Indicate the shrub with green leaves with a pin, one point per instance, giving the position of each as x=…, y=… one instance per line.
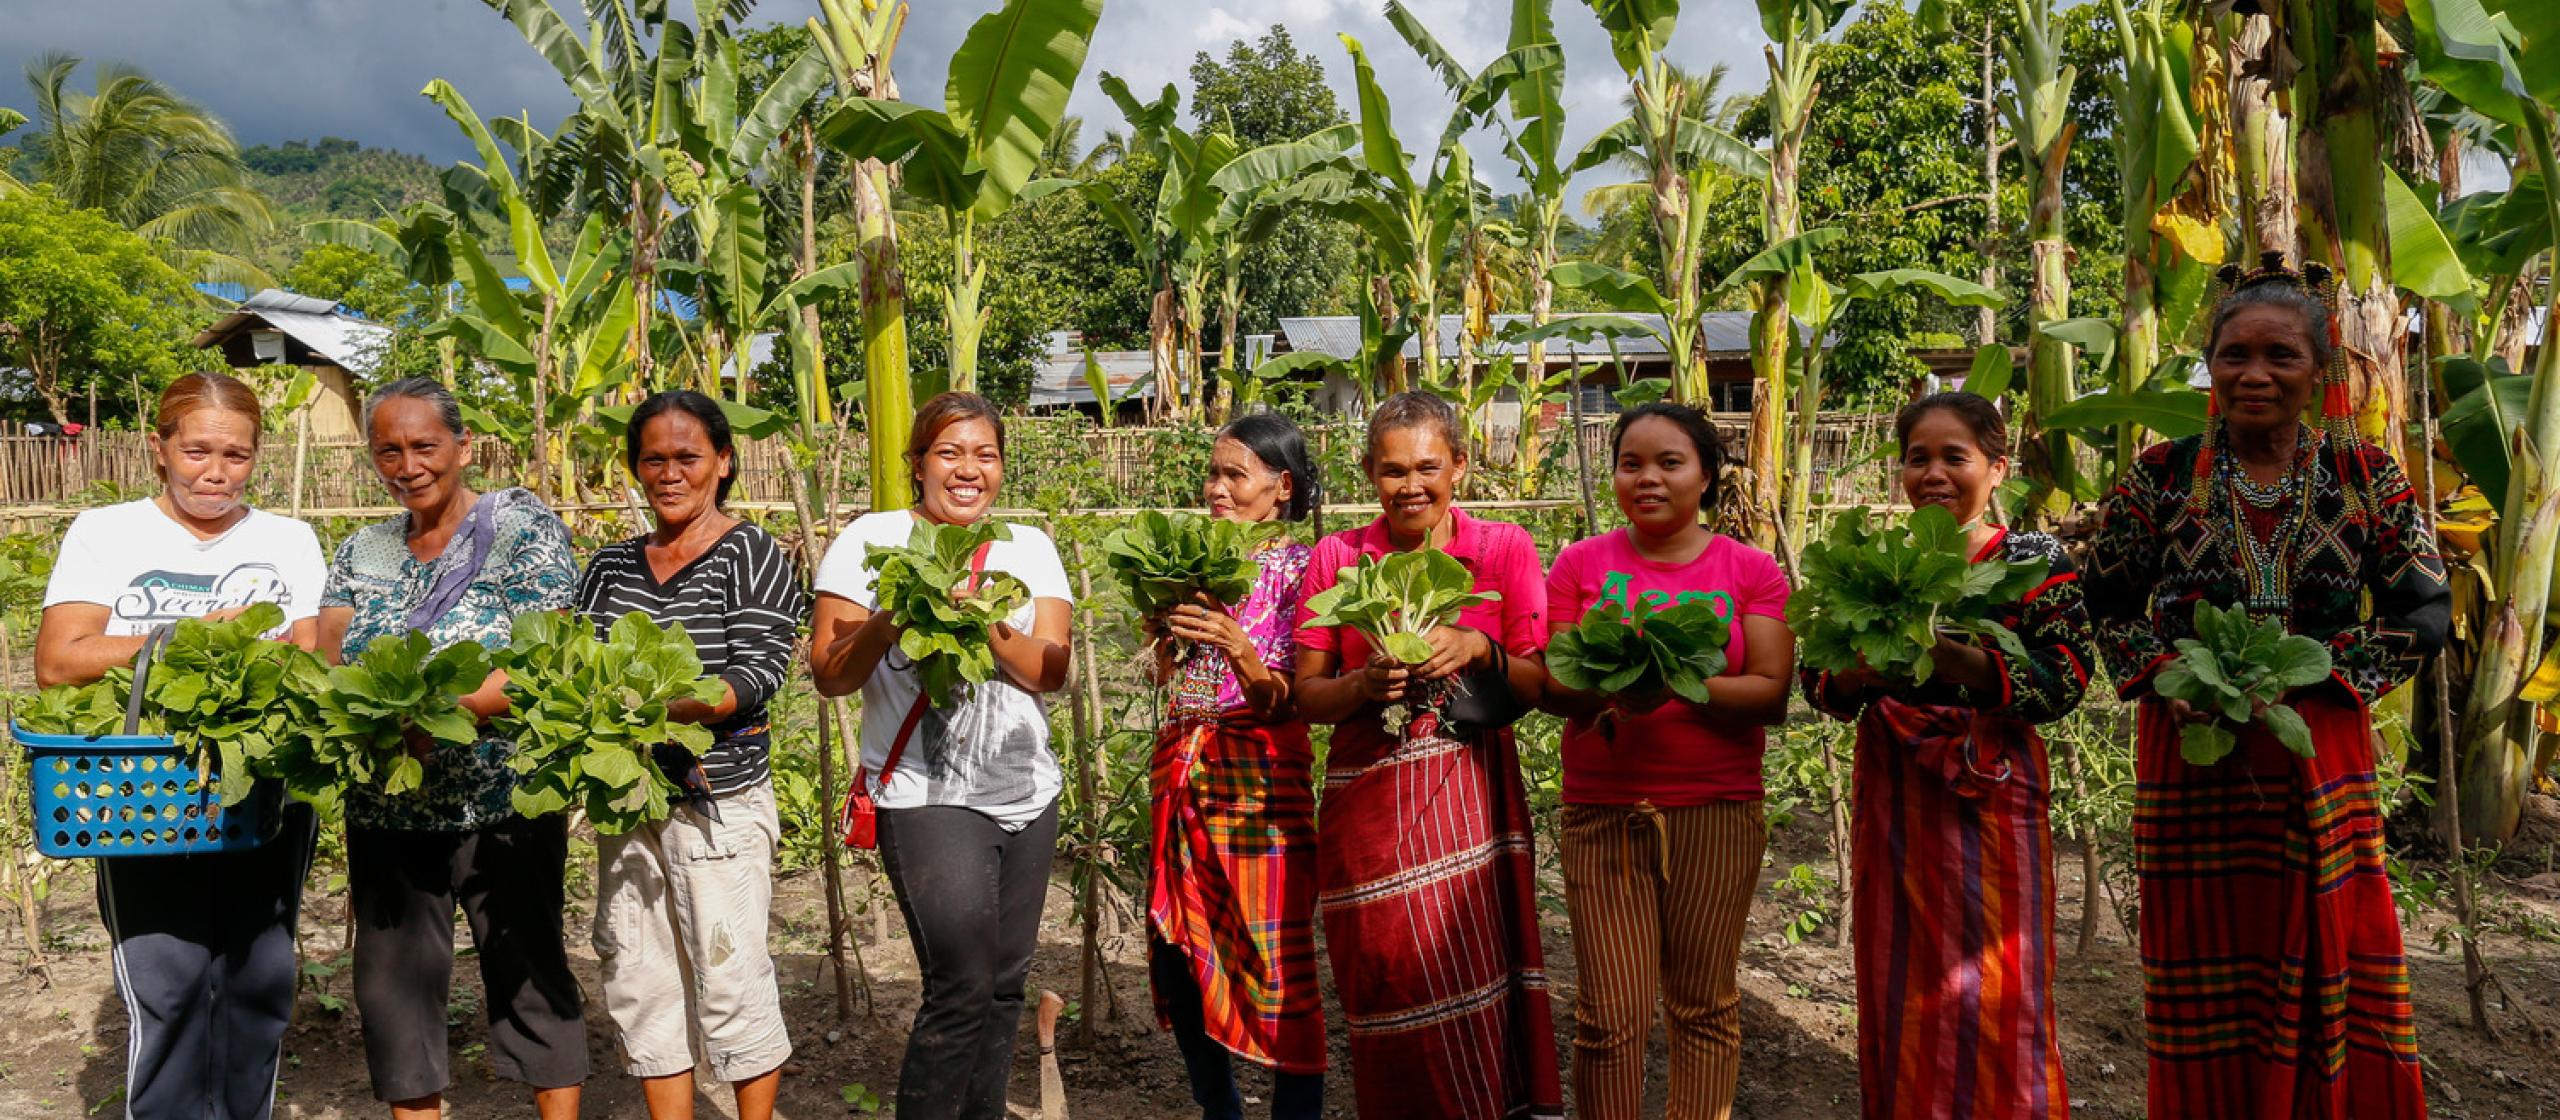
x=1163, y=559
x=1395, y=602
x=1882, y=596
x=363, y=712
x=587, y=714
x=949, y=637
x=2238, y=671
x=1647, y=652
x=231, y=697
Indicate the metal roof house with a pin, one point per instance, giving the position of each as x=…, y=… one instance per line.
x=276, y=327
x=1058, y=382
x=1727, y=335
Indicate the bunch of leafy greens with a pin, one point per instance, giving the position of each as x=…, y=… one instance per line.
x=88, y=710
x=949, y=637
x=2238, y=671
x=1644, y=653
x=363, y=711
x=1396, y=602
x=587, y=714
x=1163, y=559
x=1882, y=597
x=231, y=697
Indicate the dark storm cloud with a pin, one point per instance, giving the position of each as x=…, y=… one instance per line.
x=281, y=70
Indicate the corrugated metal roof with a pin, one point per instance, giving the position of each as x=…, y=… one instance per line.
x=1728, y=333
x=344, y=339
x=1058, y=379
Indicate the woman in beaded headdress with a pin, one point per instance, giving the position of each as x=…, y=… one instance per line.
x=2272, y=973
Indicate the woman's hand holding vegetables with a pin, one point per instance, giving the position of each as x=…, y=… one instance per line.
x=1453, y=650
x=1212, y=628
x=1384, y=682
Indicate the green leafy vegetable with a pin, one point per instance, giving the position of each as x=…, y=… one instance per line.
x=363, y=711
x=2238, y=671
x=1675, y=649
x=1162, y=559
x=1396, y=602
x=230, y=697
x=587, y=714
x=947, y=636
x=90, y=710
x=1882, y=597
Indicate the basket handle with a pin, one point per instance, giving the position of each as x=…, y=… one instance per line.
x=152, y=644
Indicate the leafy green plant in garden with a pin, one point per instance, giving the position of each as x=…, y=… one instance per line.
x=946, y=635
x=2238, y=670
x=1163, y=559
x=364, y=710
x=1396, y=602
x=1880, y=597
x=587, y=715
x=231, y=697
x=1646, y=652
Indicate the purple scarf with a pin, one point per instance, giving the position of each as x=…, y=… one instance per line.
x=453, y=570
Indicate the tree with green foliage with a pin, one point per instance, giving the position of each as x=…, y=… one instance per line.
x=151, y=161
x=85, y=303
x=1269, y=92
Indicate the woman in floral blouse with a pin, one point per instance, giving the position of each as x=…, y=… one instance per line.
x=457, y=566
x=1232, y=895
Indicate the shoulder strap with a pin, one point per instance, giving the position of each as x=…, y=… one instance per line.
x=915, y=711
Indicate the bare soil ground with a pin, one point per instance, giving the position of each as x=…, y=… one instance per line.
x=62, y=1043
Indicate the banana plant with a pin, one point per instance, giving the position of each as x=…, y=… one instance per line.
x=2337, y=96
x=1530, y=77
x=2502, y=59
x=2038, y=109
x=1819, y=304
x=1250, y=388
x=2157, y=145
x=972, y=160
x=715, y=184
x=1684, y=152
x=859, y=37
x=416, y=242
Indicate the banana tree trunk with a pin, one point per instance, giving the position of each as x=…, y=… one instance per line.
x=1230, y=306
x=2498, y=726
x=1426, y=321
x=966, y=314
x=538, y=462
x=644, y=280
x=1773, y=333
x=1542, y=309
x=889, y=396
x=1162, y=342
x=1800, y=472
x=2262, y=137
x=1196, y=377
x=1987, y=319
x=2342, y=212
x=2050, y=380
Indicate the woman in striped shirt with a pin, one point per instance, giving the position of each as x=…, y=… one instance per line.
x=680, y=925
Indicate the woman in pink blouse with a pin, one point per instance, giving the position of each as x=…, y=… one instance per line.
x=1423, y=867
x=1231, y=896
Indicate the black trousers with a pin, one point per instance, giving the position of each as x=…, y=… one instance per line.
x=971, y=893
x=1294, y=1096
x=204, y=959
x=507, y=878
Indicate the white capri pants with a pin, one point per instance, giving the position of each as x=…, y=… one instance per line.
x=680, y=927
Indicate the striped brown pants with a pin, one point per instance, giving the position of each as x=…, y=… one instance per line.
x=1658, y=899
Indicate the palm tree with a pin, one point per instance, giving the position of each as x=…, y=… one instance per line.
x=151, y=161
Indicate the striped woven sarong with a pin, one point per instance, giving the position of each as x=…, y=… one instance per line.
x=2273, y=982
x=1953, y=912
x=1431, y=922
x=1234, y=884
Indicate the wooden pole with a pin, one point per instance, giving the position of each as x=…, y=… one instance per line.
x=301, y=453
x=1087, y=713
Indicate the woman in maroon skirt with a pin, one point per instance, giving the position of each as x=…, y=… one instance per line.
x=2273, y=980
x=1422, y=858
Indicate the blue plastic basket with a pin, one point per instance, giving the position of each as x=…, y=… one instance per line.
x=135, y=795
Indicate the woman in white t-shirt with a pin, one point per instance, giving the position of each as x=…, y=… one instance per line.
x=204, y=954
x=968, y=816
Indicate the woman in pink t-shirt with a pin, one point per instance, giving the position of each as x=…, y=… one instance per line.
x=1423, y=870
x=1662, y=829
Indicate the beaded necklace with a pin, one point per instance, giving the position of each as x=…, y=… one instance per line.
x=2225, y=490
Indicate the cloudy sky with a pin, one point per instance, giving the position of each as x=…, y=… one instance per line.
x=299, y=69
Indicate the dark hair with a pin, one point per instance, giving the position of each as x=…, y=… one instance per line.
x=2280, y=290
x=426, y=389
x=1692, y=423
x=1980, y=416
x=944, y=410
x=1276, y=440
x=1416, y=409
x=715, y=423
